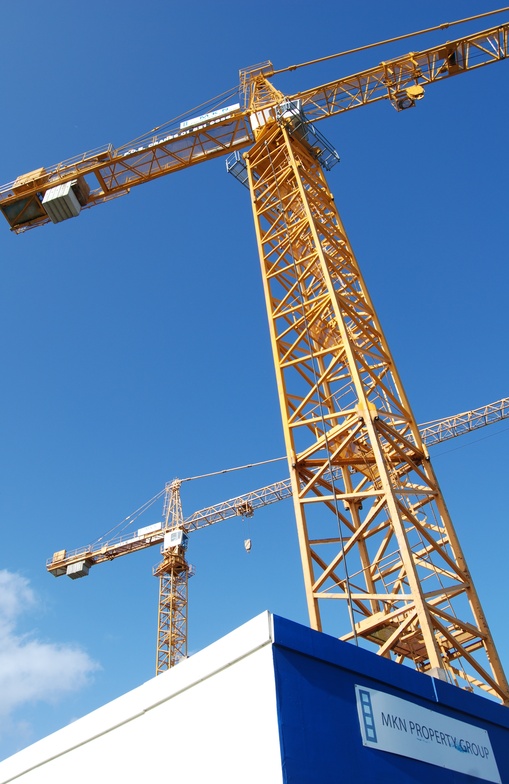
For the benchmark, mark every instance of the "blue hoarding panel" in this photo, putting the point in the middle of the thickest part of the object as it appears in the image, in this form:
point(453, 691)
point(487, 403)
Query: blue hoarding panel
point(347, 715)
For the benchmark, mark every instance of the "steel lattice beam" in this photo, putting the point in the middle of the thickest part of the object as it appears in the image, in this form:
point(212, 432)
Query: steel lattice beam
point(373, 528)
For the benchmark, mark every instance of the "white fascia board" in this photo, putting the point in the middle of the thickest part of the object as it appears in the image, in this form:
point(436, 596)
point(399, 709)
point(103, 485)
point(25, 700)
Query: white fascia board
point(37, 761)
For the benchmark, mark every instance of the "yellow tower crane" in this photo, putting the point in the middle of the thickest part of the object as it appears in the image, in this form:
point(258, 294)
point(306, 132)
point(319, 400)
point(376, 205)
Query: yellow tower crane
point(172, 534)
point(174, 570)
point(374, 532)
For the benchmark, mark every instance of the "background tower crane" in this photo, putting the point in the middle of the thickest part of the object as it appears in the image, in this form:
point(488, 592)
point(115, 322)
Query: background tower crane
point(173, 573)
point(389, 549)
point(172, 534)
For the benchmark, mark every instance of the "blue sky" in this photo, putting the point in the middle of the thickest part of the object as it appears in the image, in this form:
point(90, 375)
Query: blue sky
point(134, 345)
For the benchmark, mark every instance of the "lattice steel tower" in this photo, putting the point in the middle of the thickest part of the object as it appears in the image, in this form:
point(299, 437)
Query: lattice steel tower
point(373, 527)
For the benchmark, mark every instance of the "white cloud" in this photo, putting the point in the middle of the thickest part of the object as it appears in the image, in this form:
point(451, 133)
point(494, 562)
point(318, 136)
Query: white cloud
point(32, 669)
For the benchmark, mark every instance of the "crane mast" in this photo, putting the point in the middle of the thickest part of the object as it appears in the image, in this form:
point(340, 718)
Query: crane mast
point(373, 528)
point(173, 573)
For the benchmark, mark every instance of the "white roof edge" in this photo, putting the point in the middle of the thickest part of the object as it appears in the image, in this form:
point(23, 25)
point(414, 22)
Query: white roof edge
point(241, 642)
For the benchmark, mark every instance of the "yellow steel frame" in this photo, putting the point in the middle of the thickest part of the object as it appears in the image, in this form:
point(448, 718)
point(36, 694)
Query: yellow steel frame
point(172, 617)
point(373, 528)
point(173, 573)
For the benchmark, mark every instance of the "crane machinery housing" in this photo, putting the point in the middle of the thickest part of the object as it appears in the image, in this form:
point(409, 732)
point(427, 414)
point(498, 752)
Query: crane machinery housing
point(374, 532)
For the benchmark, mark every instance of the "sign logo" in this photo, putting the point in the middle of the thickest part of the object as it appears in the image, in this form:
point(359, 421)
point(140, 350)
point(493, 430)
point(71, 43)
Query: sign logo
point(400, 727)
